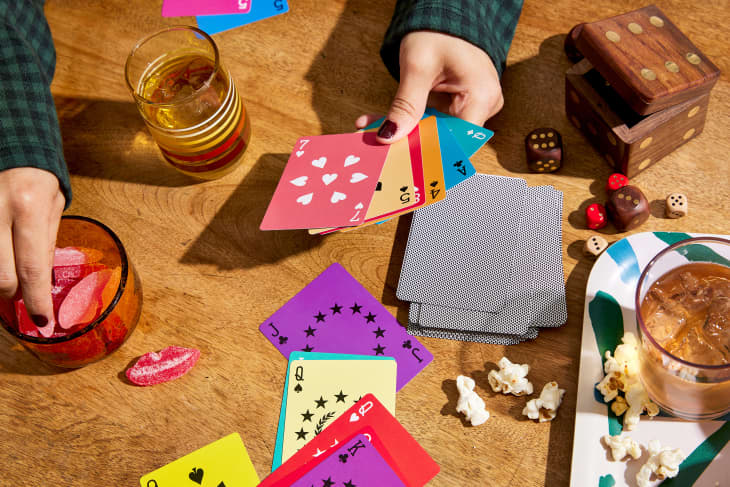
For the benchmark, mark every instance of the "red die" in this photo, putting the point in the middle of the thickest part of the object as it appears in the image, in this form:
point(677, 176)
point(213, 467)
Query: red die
point(616, 181)
point(596, 216)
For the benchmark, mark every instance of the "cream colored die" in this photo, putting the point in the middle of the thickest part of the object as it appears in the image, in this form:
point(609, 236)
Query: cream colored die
point(676, 205)
point(595, 245)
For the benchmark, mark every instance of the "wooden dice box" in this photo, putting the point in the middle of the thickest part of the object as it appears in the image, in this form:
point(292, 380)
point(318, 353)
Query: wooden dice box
point(642, 89)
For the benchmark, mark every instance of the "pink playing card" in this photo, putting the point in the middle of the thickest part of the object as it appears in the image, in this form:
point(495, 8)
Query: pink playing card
point(328, 182)
point(185, 8)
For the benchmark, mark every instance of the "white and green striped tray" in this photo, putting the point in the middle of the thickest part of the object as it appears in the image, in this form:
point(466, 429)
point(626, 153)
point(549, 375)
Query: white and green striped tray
point(609, 310)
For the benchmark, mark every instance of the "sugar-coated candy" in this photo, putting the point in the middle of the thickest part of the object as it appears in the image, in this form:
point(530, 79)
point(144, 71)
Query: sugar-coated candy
point(157, 367)
point(83, 303)
point(596, 216)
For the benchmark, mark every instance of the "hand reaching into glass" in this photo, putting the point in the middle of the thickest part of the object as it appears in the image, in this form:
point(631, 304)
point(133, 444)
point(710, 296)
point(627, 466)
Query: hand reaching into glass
point(31, 204)
point(444, 72)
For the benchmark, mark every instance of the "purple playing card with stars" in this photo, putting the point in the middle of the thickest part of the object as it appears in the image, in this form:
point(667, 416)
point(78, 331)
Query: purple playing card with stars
point(335, 314)
point(356, 464)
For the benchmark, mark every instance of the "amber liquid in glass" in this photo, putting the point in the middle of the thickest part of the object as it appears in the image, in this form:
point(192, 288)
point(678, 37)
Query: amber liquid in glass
point(195, 114)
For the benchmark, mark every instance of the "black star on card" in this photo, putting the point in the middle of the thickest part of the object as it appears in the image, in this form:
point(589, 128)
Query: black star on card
point(321, 402)
point(308, 348)
point(336, 309)
point(370, 318)
point(344, 457)
point(407, 344)
point(379, 333)
point(320, 317)
point(310, 331)
point(350, 484)
point(327, 482)
point(379, 350)
point(340, 397)
point(355, 308)
point(301, 434)
point(283, 340)
point(307, 416)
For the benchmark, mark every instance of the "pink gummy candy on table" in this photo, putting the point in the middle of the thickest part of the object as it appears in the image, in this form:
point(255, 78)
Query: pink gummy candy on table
point(83, 303)
point(158, 367)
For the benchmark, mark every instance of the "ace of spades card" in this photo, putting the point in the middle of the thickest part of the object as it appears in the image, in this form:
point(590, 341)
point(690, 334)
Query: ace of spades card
point(335, 314)
point(328, 181)
point(320, 390)
point(223, 463)
point(356, 463)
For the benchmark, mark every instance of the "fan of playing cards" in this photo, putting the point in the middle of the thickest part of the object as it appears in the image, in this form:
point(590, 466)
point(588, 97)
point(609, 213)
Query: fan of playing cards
point(485, 265)
point(342, 181)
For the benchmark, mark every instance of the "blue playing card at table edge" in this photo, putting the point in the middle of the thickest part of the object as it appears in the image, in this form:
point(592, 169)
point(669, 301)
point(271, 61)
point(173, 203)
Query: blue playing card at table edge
point(279, 444)
point(260, 9)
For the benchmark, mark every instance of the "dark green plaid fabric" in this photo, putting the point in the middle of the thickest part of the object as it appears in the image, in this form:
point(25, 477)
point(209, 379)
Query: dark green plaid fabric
point(489, 24)
point(29, 131)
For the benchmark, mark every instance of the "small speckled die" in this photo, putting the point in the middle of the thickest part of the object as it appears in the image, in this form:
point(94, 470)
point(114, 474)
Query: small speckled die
point(595, 245)
point(676, 205)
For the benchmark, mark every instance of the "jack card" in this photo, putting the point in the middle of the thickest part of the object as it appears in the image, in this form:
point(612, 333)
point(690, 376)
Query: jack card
point(223, 463)
point(336, 314)
point(328, 181)
point(320, 390)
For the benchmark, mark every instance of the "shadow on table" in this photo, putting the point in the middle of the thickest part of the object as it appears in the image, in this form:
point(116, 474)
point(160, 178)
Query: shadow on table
point(109, 140)
point(232, 239)
point(534, 96)
point(15, 359)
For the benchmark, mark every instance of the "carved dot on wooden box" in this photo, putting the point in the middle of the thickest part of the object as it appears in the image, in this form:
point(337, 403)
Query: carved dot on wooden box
point(641, 91)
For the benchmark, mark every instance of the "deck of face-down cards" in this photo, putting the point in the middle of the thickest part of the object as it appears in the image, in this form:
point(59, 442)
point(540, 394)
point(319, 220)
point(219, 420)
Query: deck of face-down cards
point(485, 264)
point(344, 181)
point(364, 445)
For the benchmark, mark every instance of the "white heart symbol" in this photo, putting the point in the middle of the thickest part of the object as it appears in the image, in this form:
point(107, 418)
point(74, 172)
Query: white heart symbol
point(319, 162)
point(357, 177)
point(350, 160)
point(328, 178)
point(299, 153)
point(358, 206)
point(300, 181)
point(305, 199)
point(337, 196)
point(354, 417)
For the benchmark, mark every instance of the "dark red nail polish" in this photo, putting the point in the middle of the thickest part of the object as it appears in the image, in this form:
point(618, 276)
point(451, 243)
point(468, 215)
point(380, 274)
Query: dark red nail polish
point(39, 320)
point(387, 130)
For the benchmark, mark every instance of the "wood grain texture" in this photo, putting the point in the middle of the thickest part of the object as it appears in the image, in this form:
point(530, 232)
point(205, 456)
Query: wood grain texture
point(210, 277)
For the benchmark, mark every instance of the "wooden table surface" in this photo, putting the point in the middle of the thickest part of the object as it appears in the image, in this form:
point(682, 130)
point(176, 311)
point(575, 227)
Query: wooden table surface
point(210, 277)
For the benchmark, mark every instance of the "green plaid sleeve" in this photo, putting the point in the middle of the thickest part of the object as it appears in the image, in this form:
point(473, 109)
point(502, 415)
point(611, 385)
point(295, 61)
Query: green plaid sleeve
point(29, 130)
point(489, 24)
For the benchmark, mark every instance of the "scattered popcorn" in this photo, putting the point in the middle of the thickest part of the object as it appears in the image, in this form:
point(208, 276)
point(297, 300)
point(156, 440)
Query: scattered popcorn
point(663, 461)
point(546, 406)
point(469, 403)
point(510, 378)
point(621, 446)
point(622, 375)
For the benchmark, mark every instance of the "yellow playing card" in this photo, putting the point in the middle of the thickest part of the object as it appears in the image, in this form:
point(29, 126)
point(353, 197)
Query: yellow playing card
point(433, 169)
point(321, 390)
point(223, 463)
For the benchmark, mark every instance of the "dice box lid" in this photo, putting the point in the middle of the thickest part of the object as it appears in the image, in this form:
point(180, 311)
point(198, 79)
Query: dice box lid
point(647, 59)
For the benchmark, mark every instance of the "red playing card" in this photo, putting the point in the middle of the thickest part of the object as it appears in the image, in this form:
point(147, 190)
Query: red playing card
point(328, 182)
point(368, 416)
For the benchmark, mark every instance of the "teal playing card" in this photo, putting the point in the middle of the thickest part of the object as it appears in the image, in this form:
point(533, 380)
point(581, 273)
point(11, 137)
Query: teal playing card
point(278, 447)
point(470, 137)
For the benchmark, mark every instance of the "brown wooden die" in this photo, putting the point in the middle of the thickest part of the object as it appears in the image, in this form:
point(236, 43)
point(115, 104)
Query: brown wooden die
point(544, 149)
point(629, 142)
point(627, 208)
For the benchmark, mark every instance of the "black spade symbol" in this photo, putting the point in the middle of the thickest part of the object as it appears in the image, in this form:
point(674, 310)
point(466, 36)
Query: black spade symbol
point(196, 476)
point(404, 189)
point(434, 184)
point(379, 187)
point(298, 388)
point(457, 164)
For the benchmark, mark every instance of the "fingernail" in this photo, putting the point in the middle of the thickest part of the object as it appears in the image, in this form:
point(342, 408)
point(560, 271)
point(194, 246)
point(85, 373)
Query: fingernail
point(39, 320)
point(387, 130)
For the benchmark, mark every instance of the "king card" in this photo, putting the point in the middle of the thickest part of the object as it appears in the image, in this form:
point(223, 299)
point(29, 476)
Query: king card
point(321, 390)
point(223, 463)
point(356, 463)
point(328, 181)
point(335, 313)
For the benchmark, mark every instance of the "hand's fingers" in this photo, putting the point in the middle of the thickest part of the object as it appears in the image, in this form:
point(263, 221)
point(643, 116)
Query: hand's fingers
point(365, 120)
point(8, 277)
point(409, 102)
point(33, 262)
